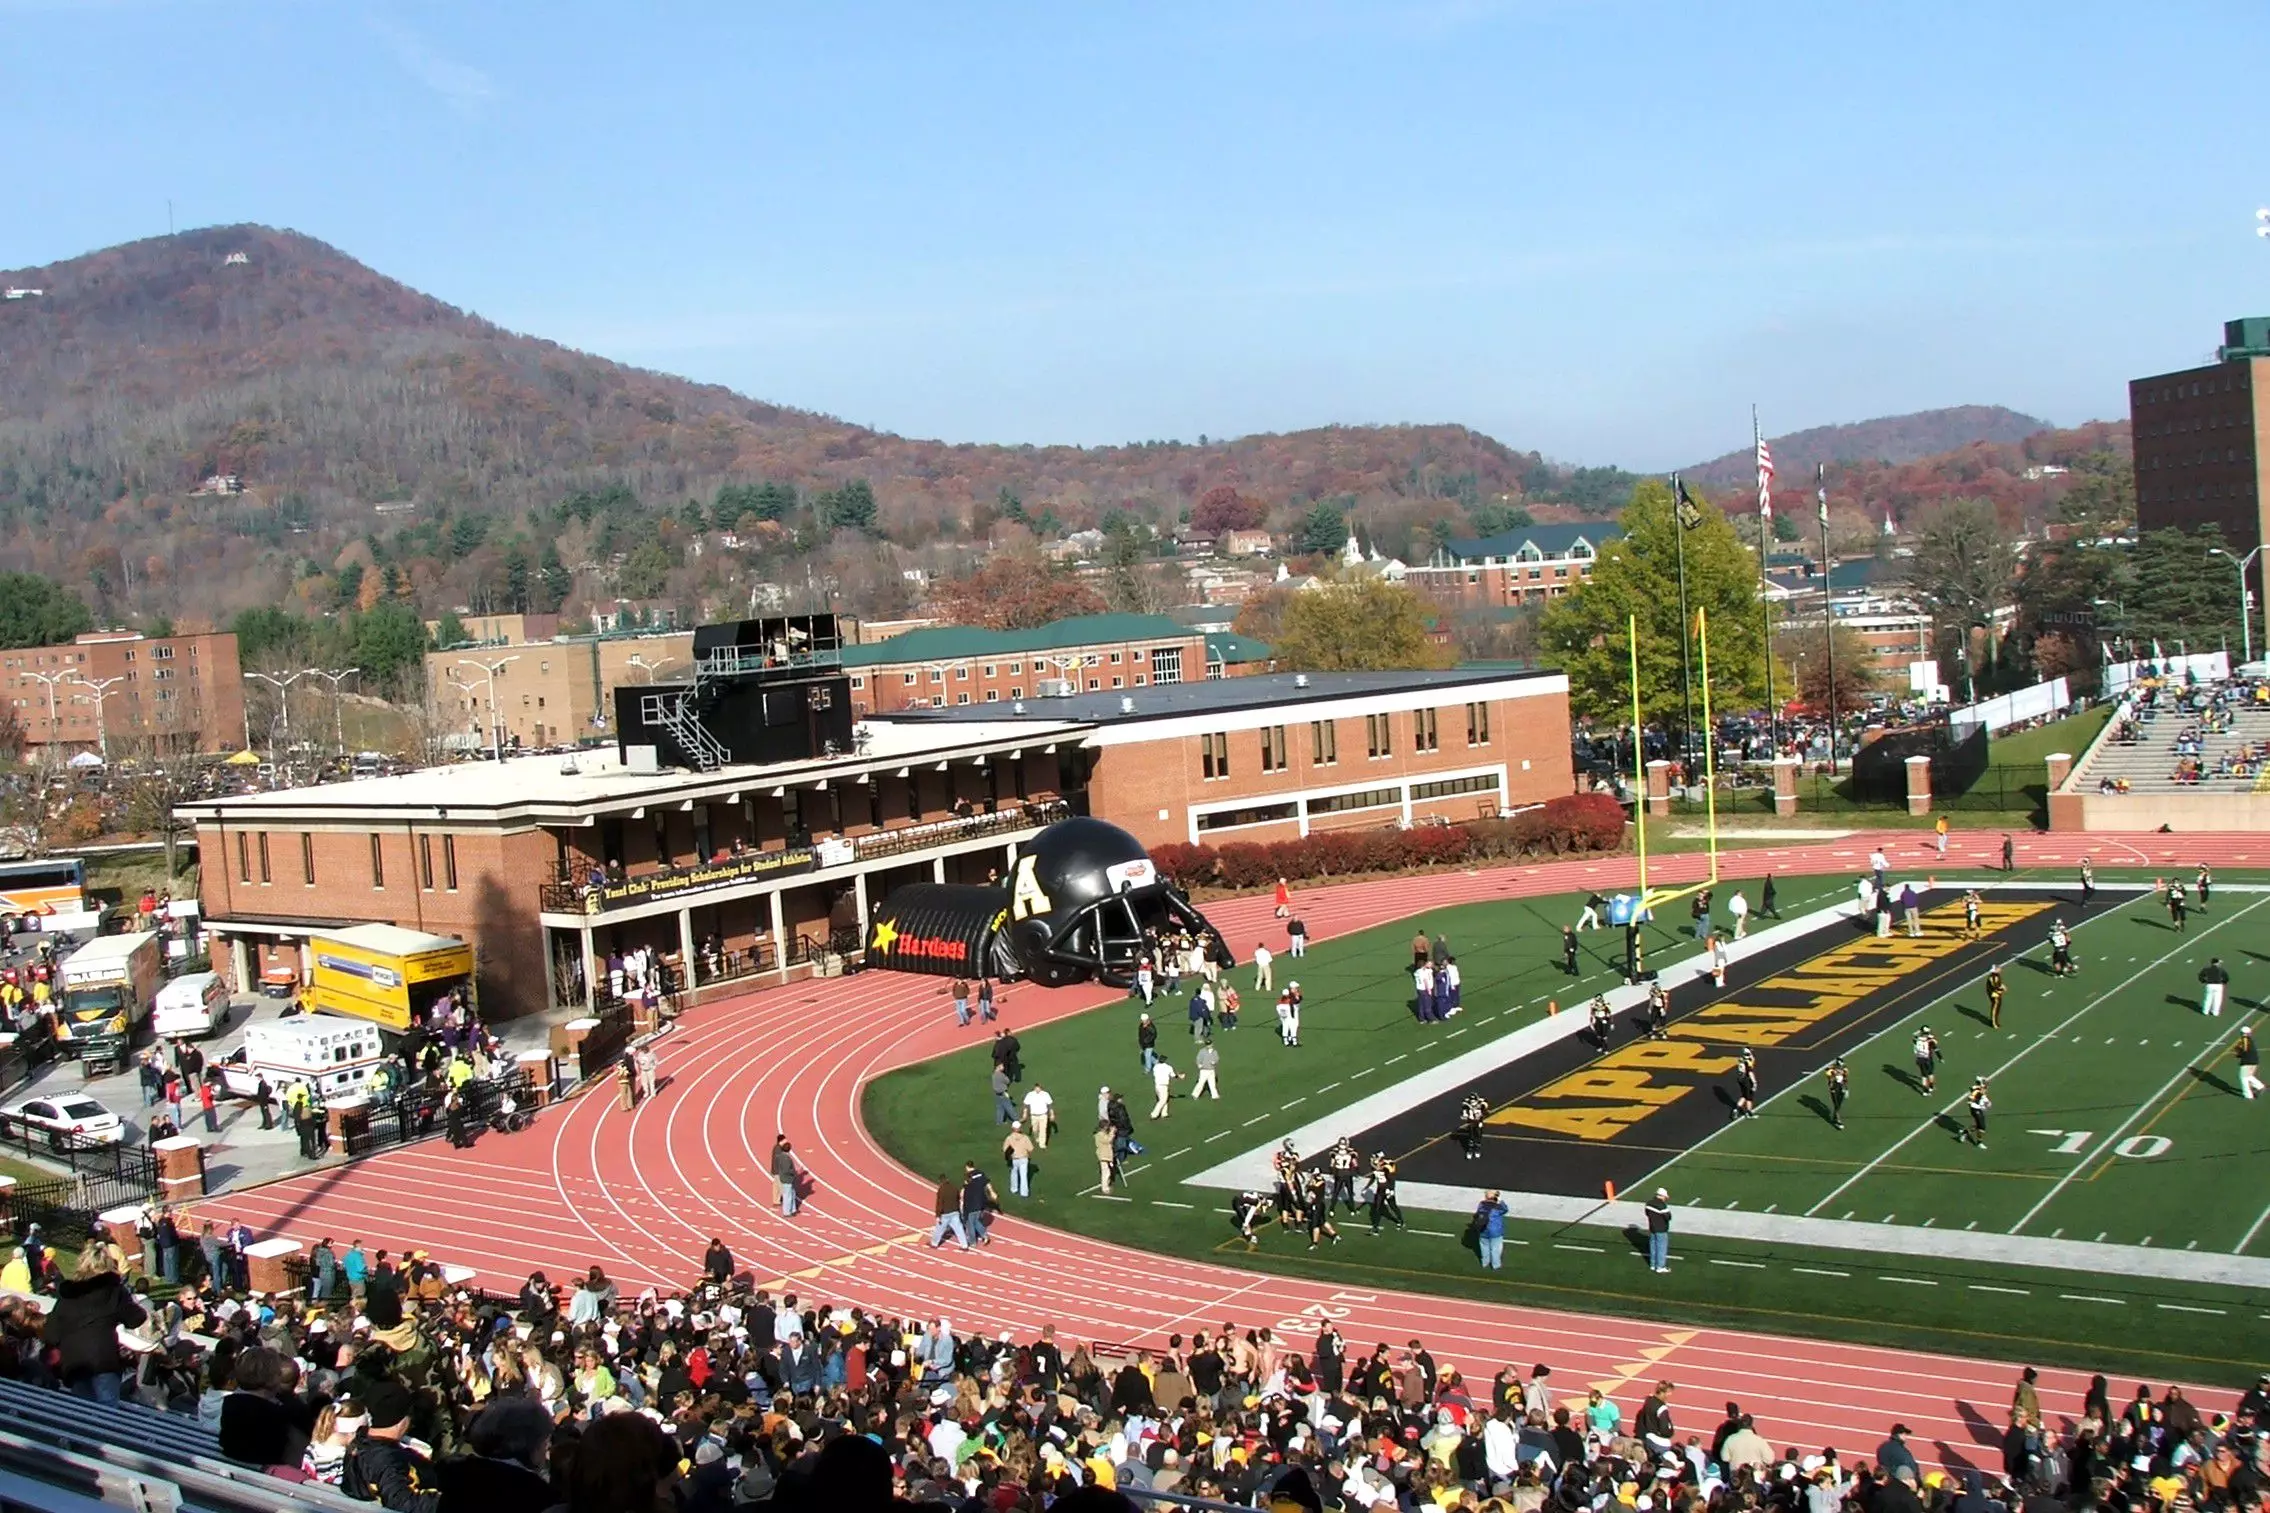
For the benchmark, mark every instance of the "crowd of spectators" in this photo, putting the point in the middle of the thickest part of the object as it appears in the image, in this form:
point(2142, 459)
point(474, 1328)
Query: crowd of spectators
point(397, 1387)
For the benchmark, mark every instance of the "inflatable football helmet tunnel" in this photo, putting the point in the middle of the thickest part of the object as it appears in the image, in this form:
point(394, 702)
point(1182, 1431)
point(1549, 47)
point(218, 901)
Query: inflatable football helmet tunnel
point(1080, 903)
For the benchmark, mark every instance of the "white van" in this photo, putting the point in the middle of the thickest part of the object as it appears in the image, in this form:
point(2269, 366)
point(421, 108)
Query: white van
point(193, 1004)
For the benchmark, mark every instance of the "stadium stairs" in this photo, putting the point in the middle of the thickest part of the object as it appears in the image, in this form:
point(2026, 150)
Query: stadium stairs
point(63, 1454)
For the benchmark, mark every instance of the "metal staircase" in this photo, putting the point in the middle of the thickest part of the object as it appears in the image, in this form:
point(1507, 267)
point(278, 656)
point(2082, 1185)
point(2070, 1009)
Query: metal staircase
point(673, 710)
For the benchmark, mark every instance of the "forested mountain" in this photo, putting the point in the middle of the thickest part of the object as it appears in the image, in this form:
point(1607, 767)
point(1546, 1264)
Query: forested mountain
point(1891, 439)
point(394, 450)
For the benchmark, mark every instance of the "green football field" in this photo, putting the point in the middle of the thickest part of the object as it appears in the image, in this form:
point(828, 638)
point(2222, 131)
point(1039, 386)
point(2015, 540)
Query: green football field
point(2115, 1117)
point(2151, 1141)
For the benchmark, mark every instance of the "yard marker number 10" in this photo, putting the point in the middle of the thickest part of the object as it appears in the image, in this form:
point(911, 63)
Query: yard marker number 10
point(2136, 1147)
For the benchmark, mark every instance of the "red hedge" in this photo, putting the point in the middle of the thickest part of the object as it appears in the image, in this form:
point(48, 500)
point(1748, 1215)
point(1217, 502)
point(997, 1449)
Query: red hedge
point(1579, 823)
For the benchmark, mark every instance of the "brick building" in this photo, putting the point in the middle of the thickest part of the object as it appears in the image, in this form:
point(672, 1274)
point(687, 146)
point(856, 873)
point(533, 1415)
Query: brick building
point(548, 864)
point(534, 694)
point(125, 689)
point(951, 666)
point(1527, 565)
point(2198, 438)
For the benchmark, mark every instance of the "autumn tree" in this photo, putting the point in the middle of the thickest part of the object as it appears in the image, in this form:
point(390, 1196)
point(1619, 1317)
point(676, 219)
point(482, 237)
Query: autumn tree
point(1015, 591)
point(1364, 624)
point(1587, 633)
point(1262, 617)
point(1222, 509)
point(1960, 571)
point(1831, 666)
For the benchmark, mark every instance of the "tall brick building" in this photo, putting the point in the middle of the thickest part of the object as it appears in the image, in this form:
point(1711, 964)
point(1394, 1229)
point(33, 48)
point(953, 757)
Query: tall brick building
point(161, 693)
point(2198, 437)
point(548, 864)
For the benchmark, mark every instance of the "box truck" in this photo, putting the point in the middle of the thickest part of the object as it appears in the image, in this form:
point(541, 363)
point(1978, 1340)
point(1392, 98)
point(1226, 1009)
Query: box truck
point(386, 974)
point(108, 986)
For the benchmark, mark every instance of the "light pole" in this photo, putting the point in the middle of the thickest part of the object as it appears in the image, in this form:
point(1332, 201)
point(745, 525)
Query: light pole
point(489, 671)
point(2244, 565)
point(282, 685)
point(102, 688)
point(338, 709)
point(651, 669)
point(2119, 614)
point(54, 724)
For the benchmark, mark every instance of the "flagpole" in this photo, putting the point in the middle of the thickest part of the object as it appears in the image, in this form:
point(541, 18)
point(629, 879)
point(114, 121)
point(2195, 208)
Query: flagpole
point(1765, 600)
point(1828, 597)
point(1686, 678)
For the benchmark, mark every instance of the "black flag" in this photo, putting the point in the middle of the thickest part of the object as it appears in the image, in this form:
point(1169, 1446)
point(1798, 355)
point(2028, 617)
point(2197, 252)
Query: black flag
point(1690, 513)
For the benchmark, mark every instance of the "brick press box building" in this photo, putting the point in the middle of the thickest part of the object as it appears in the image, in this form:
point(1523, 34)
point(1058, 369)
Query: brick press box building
point(747, 820)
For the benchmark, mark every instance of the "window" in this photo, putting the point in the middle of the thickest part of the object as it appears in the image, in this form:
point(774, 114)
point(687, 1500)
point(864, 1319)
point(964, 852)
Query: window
point(1016, 669)
point(1258, 814)
point(1477, 724)
point(1016, 693)
point(961, 674)
point(1115, 659)
point(1273, 749)
point(161, 654)
point(993, 696)
point(1137, 654)
point(1119, 682)
point(1425, 734)
point(426, 862)
point(1215, 755)
point(907, 679)
point(859, 682)
point(1324, 742)
point(243, 858)
point(1379, 735)
point(1166, 665)
point(1450, 787)
point(1369, 798)
point(449, 862)
point(307, 858)
point(264, 856)
point(937, 674)
point(961, 698)
point(377, 863)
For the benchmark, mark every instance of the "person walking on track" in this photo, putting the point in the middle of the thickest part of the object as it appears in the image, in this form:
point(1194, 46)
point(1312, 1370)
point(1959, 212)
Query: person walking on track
point(1940, 832)
point(2009, 855)
point(1840, 1083)
point(786, 1178)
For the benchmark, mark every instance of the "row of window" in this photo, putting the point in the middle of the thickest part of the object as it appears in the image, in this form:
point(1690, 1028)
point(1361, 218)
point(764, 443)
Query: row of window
point(252, 849)
point(1342, 803)
point(1164, 661)
point(2233, 381)
point(1324, 741)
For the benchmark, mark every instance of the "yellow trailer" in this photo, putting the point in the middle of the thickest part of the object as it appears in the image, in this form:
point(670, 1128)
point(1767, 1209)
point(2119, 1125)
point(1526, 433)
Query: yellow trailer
point(386, 974)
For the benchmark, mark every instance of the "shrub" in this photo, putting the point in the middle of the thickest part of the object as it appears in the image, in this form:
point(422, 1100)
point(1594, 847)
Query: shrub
point(1568, 826)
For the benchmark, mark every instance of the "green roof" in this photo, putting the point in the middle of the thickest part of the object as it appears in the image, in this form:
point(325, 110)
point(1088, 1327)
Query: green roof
point(958, 643)
point(1231, 649)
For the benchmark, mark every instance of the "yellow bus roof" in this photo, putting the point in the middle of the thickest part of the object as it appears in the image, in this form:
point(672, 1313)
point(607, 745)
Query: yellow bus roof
point(393, 940)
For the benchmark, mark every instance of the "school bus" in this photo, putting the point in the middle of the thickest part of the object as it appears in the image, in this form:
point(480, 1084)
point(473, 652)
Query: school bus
point(386, 974)
point(47, 885)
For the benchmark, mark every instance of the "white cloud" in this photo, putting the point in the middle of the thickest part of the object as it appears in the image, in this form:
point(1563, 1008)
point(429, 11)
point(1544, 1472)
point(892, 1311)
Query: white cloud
point(462, 87)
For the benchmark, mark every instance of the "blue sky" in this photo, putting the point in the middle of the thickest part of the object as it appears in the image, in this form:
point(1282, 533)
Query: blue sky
point(1600, 230)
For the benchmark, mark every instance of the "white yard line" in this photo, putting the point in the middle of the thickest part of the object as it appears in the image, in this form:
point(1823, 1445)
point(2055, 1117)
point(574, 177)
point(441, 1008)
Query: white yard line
point(2093, 1004)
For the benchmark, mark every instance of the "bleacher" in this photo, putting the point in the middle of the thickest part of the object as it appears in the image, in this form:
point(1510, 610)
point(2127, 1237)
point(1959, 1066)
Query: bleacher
point(63, 1454)
point(2146, 756)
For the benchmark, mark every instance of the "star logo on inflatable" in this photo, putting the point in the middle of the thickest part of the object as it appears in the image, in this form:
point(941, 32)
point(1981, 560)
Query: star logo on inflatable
point(885, 933)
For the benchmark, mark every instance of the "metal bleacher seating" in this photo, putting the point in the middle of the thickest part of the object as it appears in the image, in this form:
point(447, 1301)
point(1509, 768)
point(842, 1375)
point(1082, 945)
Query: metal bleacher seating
point(2148, 763)
point(63, 1454)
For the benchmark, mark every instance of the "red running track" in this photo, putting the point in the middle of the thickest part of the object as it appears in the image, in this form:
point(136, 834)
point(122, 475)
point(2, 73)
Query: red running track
point(642, 1193)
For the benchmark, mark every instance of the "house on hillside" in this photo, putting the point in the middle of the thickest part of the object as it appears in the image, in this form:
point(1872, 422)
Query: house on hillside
point(1246, 544)
point(1529, 564)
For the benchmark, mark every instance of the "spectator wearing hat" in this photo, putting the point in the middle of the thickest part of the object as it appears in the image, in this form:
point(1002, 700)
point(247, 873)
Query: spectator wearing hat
point(379, 1466)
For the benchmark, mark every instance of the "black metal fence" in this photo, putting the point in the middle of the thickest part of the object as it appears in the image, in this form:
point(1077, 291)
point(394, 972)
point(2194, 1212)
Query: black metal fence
point(65, 1207)
point(604, 1045)
point(415, 1113)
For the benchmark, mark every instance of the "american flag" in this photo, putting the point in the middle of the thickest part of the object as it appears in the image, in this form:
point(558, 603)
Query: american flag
point(1765, 473)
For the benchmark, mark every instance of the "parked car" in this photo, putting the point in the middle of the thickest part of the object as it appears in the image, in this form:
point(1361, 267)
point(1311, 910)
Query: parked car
point(69, 1118)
